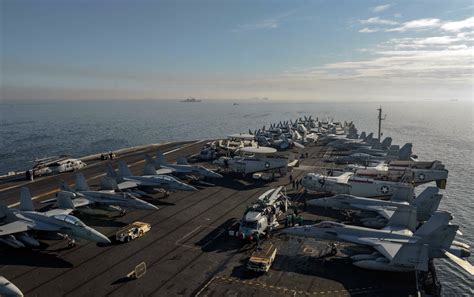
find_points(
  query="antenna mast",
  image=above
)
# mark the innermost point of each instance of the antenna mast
(380, 118)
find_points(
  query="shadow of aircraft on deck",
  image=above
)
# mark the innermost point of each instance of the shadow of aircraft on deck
(33, 258)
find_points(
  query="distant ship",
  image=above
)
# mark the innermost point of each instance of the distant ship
(191, 100)
(235, 103)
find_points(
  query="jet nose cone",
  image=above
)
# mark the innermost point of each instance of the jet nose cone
(99, 237)
(148, 206)
(191, 188)
(215, 175)
(186, 187)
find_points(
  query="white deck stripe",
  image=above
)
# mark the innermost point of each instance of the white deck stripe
(103, 174)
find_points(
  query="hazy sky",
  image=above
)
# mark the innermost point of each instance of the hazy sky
(301, 50)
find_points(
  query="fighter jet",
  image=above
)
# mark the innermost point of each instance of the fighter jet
(103, 202)
(348, 183)
(425, 204)
(396, 247)
(126, 180)
(282, 143)
(181, 168)
(15, 224)
(366, 158)
(7, 289)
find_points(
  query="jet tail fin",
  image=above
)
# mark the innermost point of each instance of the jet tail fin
(64, 200)
(438, 219)
(26, 203)
(386, 143)
(6, 213)
(110, 172)
(405, 152)
(370, 137)
(404, 217)
(182, 160)
(363, 136)
(123, 169)
(149, 166)
(427, 203)
(441, 237)
(81, 183)
(64, 186)
(393, 150)
(108, 183)
(160, 158)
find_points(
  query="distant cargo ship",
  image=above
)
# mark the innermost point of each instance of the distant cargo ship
(191, 100)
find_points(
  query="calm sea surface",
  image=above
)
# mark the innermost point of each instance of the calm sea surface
(439, 130)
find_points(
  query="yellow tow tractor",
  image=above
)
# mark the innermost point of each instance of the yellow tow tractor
(132, 231)
(262, 258)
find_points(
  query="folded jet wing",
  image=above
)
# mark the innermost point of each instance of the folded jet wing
(14, 227)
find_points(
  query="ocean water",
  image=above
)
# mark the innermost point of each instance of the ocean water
(438, 130)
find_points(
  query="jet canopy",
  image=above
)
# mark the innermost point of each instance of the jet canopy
(70, 220)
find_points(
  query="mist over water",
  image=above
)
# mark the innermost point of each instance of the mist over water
(438, 130)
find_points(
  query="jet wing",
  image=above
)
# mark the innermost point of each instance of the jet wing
(78, 202)
(387, 248)
(165, 171)
(127, 185)
(14, 227)
(57, 211)
(385, 212)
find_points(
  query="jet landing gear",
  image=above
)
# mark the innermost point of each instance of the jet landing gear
(71, 242)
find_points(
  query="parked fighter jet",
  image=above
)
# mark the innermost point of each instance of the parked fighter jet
(254, 159)
(426, 204)
(181, 168)
(7, 289)
(103, 202)
(17, 223)
(126, 180)
(348, 183)
(282, 143)
(366, 158)
(397, 248)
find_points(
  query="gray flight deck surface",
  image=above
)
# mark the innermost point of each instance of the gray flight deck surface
(187, 251)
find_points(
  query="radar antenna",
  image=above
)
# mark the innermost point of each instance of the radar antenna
(380, 118)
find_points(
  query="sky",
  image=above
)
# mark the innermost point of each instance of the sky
(326, 50)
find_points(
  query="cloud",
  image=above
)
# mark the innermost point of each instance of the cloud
(378, 21)
(459, 25)
(417, 25)
(265, 24)
(445, 65)
(381, 8)
(425, 42)
(446, 58)
(367, 30)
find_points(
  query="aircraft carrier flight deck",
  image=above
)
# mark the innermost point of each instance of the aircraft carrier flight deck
(188, 251)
